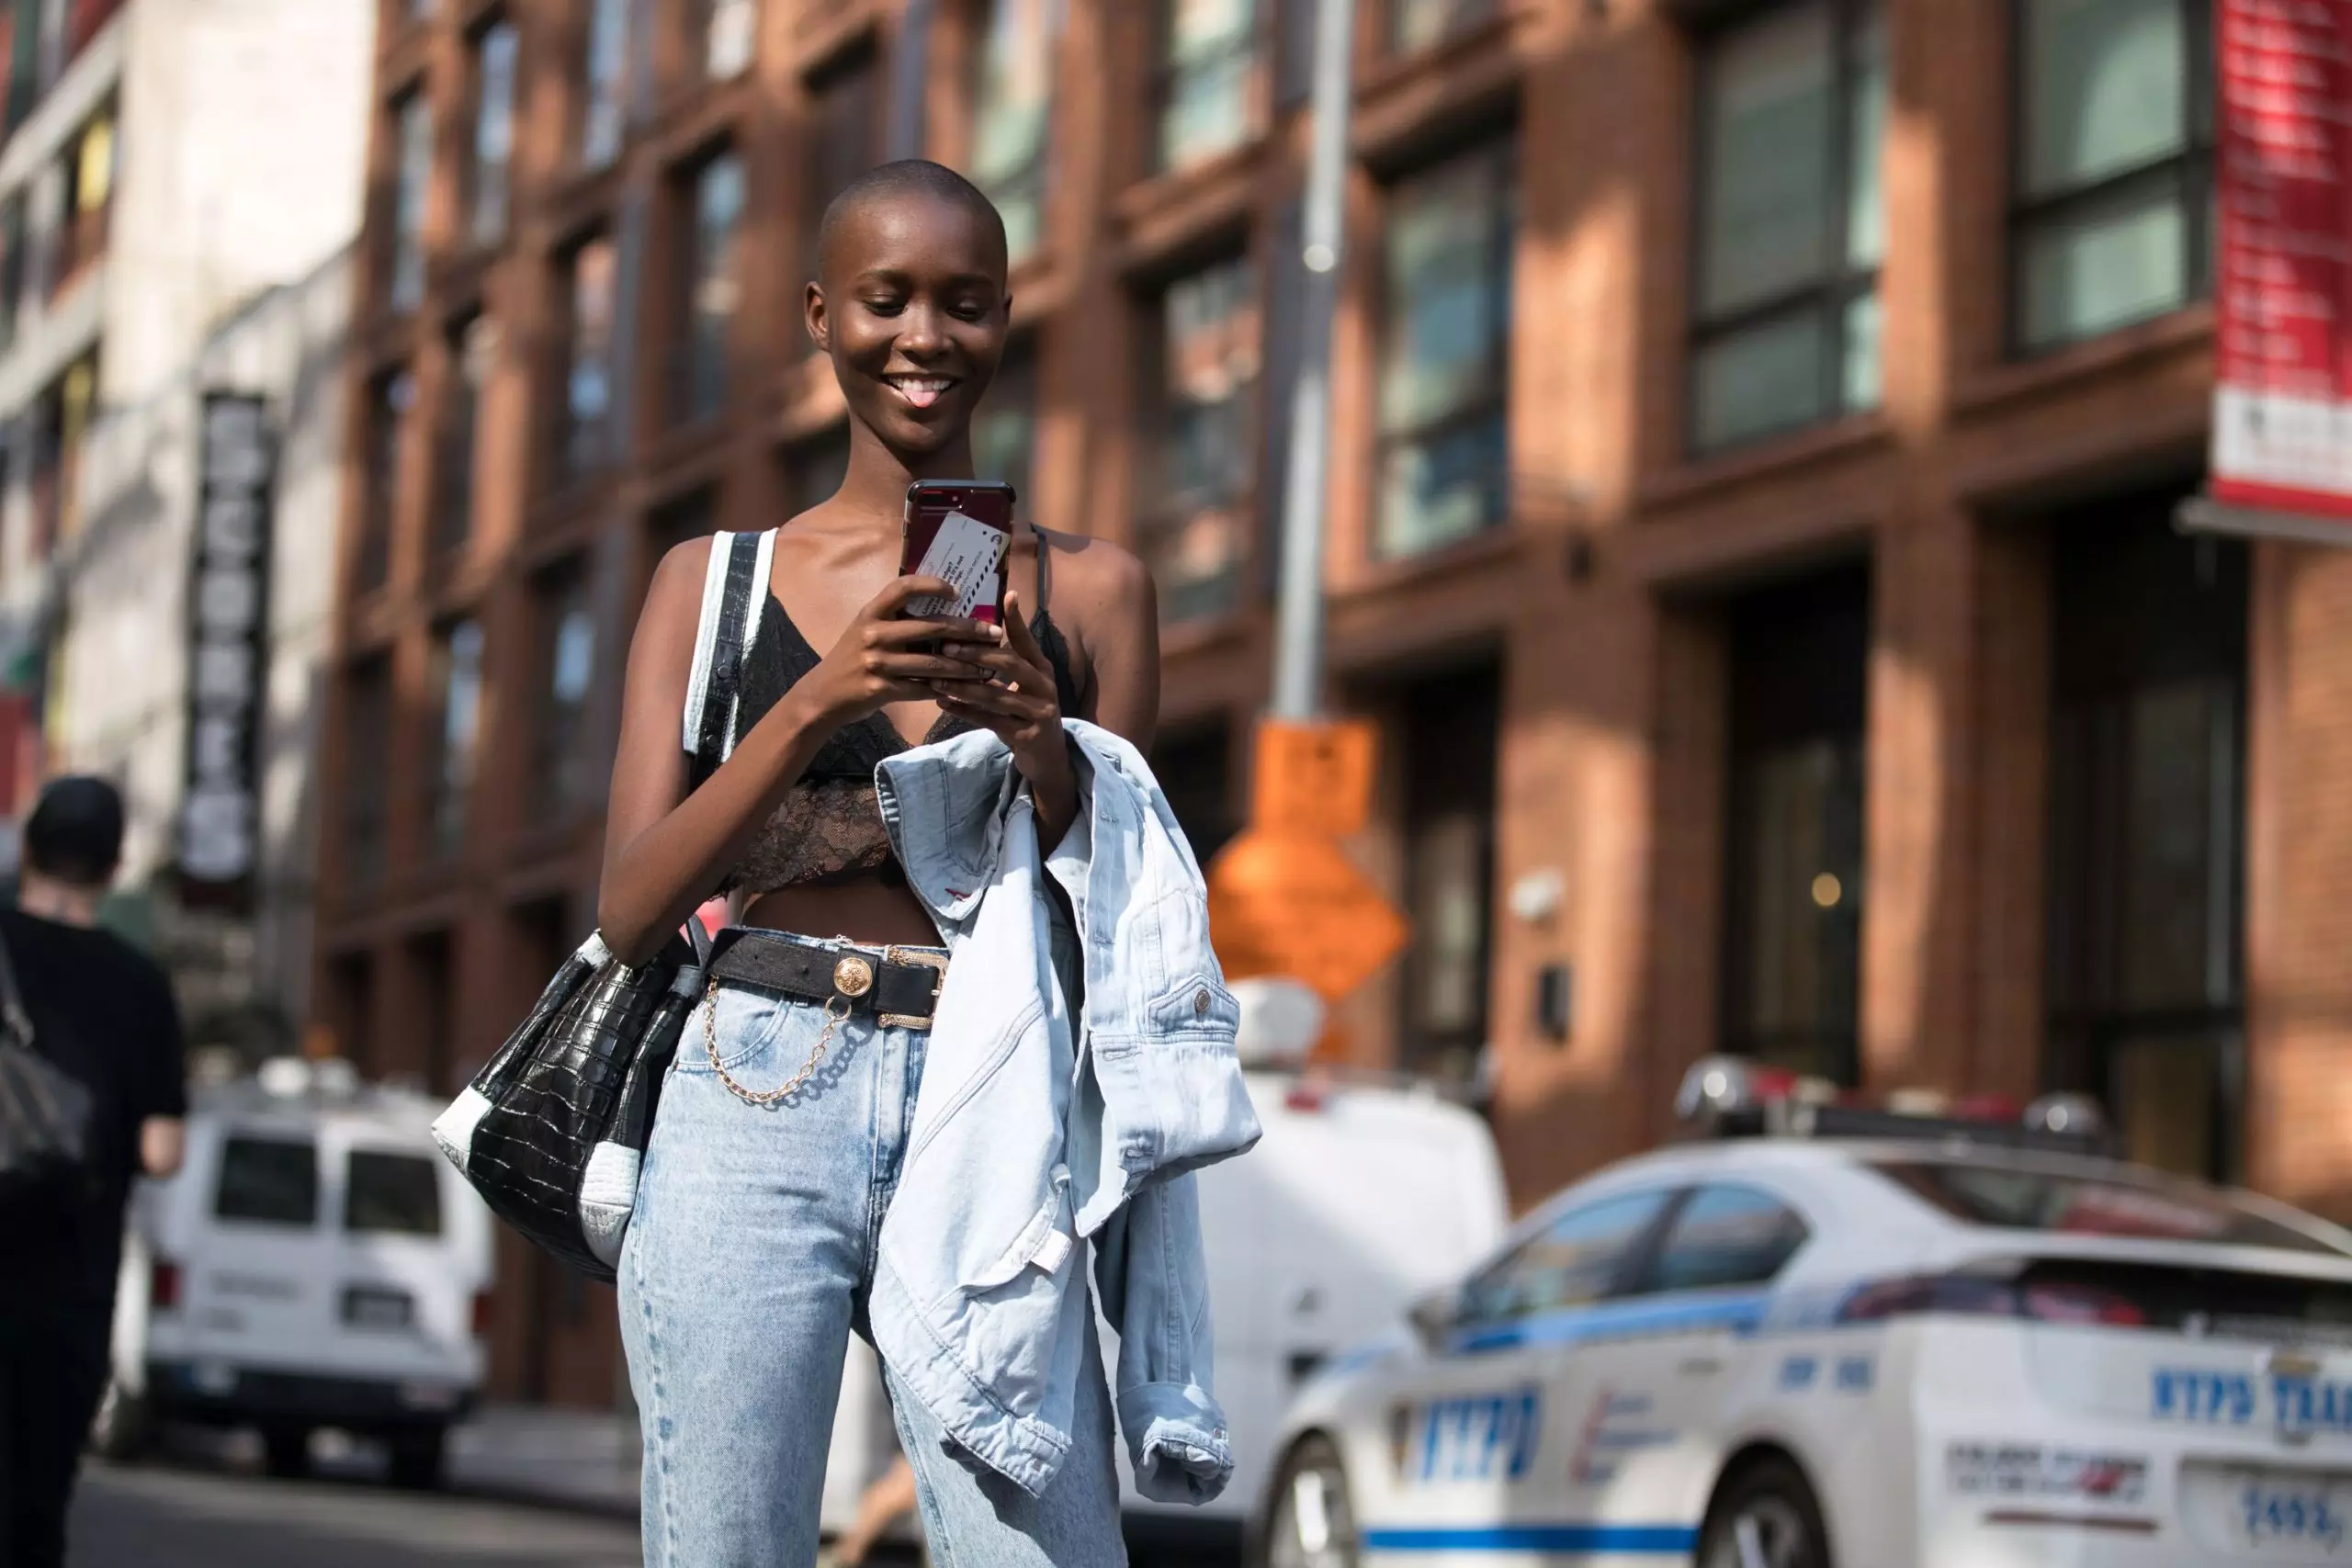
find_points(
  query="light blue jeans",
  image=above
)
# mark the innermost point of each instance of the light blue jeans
(747, 1265)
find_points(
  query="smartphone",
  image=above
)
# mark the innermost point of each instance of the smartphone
(959, 530)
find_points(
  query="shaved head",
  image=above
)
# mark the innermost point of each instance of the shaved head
(907, 179)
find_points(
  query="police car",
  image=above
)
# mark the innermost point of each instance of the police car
(1901, 1341)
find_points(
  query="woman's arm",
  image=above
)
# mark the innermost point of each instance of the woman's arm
(665, 849)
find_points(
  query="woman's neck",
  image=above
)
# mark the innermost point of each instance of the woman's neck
(878, 477)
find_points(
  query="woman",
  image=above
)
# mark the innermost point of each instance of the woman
(782, 1128)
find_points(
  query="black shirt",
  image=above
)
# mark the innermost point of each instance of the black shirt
(103, 1013)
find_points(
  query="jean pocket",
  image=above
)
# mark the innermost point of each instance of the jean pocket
(745, 1025)
(1044, 1244)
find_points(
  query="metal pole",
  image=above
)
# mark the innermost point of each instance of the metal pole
(908, 78)
(1298, 616)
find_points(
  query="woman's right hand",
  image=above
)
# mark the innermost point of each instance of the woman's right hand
(876, 659)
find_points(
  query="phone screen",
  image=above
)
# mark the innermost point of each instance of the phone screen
(958, 530)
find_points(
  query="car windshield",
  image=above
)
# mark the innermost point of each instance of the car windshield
(268, 1181)
(397, 1194)
(2122, 1203)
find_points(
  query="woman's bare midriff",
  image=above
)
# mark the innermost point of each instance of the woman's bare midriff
(868, 910)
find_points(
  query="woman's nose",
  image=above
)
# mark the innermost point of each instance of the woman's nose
(921, 331)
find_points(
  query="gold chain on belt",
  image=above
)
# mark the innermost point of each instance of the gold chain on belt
(859, 984)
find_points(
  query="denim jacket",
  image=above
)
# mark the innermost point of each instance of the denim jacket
(1037, 1127)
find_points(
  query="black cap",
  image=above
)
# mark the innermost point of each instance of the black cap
(74, 833)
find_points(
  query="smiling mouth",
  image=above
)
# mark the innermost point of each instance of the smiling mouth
(920, 391)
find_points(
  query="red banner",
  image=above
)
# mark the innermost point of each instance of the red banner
(2282, 415)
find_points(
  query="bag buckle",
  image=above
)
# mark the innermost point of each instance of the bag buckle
(934, 961)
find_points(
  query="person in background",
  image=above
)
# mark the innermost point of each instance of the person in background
(890, 1496)
(102, 1014)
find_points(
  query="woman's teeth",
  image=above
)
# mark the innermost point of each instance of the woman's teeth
(922, 391)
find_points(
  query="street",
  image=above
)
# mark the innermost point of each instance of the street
(187, 1516)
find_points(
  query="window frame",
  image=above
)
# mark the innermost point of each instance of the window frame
(1166, 70)
(1030, 182)
(1500, 142)
(556, 592)
(478, 39)
(1833, 292)
(404, 249)
(448, 817)
(454, 482)
(571, 465)
(2194, 166)
(684, 403)
(1164, 510)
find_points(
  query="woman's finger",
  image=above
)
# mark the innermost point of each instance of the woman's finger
(1016, 629)
(926, 667)
(906, 629)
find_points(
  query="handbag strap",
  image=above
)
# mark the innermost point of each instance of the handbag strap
(14, 1019)
(732, 599)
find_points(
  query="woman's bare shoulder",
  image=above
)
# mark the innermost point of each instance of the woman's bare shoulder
(1094, 575)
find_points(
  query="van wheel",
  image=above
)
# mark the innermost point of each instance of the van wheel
(125, 1427)
(286, 1451)
(1312, 1523)
(1765, 1517)
(420, 1459)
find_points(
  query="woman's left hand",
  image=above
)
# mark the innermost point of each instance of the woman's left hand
(1019, 701)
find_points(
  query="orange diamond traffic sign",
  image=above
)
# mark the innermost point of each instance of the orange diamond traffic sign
(1294, 904)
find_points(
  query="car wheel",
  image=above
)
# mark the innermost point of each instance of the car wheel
(1765, 1517)
(1312, 1524)
(124, 1428)
(286, 1451)
(420, 1459)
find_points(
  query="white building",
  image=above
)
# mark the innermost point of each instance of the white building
(177, 211)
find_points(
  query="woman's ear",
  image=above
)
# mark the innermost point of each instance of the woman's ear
(812, 311)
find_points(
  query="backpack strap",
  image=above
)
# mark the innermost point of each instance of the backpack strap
(733, 595)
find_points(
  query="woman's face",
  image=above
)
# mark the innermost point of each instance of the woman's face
(912, 309)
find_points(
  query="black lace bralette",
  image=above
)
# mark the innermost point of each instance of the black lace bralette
(828, 828)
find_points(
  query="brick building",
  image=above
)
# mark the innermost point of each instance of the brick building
(1759, 426)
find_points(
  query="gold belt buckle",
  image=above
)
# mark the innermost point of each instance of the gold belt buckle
(937, 963)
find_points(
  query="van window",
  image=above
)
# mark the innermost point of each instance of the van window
(272, 1181)
(1727, 1236)
(396, 1195)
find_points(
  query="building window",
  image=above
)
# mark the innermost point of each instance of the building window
(414, 121)
(1792, 226)
(2115, 164)
(690, 516)
(1202, 394)
(89, 171)
(2147, 864)
(454, 742)
(1417, 24)
(62, 423)
(13, 238)
(603, 83)
(1208, 53)
(712, 290)
(1004, 431)
(729, 36)
(846, 106)
(1194, 768)
(368, 725)
(566, 627)
(493, 149)
(1452, 728)
(1444, 355)
(473, 352)
(1016, 103)
(1798, 658)
(588, 282)
(390, 397)
(432, 966)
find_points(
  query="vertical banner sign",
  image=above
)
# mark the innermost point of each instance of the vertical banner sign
(2282, 416)
(220, 833)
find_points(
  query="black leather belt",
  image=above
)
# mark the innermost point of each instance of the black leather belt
(899, 986)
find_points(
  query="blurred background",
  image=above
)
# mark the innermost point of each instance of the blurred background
(1760, 436)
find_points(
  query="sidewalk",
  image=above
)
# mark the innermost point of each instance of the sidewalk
(579, 1458)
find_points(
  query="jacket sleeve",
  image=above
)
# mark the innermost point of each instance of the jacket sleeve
(1154, 1283)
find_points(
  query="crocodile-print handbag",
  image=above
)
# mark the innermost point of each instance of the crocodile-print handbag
(552, 1130)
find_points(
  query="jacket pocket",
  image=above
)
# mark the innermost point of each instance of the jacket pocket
(1044, 1244)
(1197, 1003)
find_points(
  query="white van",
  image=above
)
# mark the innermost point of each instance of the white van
(316, 1263)
(1365, 1194)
